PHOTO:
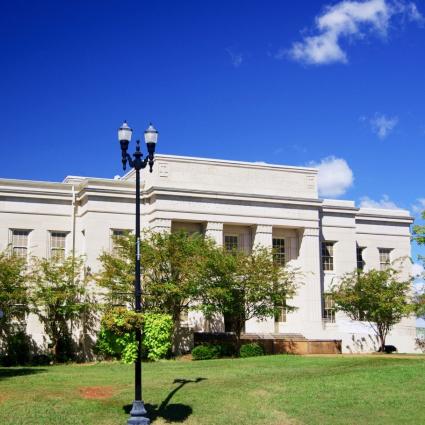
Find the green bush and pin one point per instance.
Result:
(251, 350)
(157, 333)
(206, 352)
(17, 349)
(116, 338)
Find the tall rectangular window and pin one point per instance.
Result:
(57, 245)
(360, 261)
(279, 251)
(328, 308)
(231, 243)
(384, 258)
(20, 243)
(328, 256)
(115, 235)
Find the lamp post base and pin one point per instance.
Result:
(137, 414)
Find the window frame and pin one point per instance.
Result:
(231, 235)
(112, 246)
(13, 246)
(359, 258)
(383, 266)
(328, 313)
(279, 252)
(328, 261)
(58, 249)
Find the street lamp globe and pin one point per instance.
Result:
(151, 135)
(124, 132)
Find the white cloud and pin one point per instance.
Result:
(348, 20)
(419, 206)
(334, 177)
(383, 125)
(417, 270)
(235, 57)
(384, 202)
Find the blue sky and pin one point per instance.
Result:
(336, 83)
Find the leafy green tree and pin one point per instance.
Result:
(419, 237)
(61, 299)
(172, 266)
(419, 232)
(173, 270)
(242, 286)
(13, 298)
(13, 290)
(116, 274)
(379, 297)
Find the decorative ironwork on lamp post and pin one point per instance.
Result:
(138, 411)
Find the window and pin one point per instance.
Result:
(328, 308)
(57, 245)
(328, 256)
(231, 242)
(360, 261)
(279, 251)
(384, 258)
(116, 234)
(20, 243)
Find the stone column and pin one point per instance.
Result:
(263, 236)
(214, 230)
(311, 292)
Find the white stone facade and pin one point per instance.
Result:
(253, 202)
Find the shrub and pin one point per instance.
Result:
(116, 338)
(157, 333)
(251, 350)
(206, 352)
(17, 350)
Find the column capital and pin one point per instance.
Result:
(214, 225)
(311, 231)
(161, 225)
(264, 228)
(214, 231)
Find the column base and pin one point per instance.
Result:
(138, 414)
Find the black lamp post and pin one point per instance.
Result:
(138, 411)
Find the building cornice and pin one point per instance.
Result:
(193, 193)
(227, 163)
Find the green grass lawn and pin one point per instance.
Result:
(272, 390)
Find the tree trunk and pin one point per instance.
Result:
(382, 340)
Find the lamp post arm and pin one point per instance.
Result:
(129, 161)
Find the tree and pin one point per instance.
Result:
(116, 275)
(13, 297)
(172, 266)
(419, 232)
(419, 237)
(61, 301)
(379, 297)
(13, 290)
(243, 286)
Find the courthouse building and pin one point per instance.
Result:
(238, 204)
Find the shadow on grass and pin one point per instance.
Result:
(11, 372)
(170, 412)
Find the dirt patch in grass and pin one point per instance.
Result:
(96, 393)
